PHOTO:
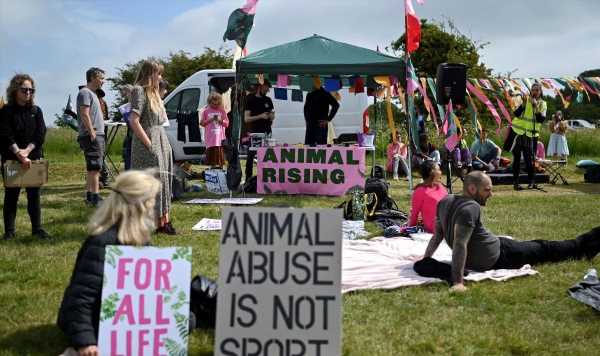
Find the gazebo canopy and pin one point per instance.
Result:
(317, 55)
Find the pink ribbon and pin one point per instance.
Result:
(504, 111)
(481, 96)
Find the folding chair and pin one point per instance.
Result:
(555, 169)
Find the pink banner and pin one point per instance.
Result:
(481, 96)
(317, 170)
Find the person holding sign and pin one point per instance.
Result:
(125, 218)
(22, 133)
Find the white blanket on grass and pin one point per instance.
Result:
(388, 263)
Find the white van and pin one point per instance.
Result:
(289, 127)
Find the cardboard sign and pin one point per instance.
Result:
(16, 176)
(145, 301)
(322, 170)
(279, 282)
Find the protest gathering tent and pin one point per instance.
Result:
(318, 55)
(314, 56)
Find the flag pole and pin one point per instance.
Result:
(406, 111)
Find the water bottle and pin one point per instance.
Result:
(591, 276)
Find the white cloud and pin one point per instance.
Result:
(56, 41)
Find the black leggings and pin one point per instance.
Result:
(523, 145)
(11, 198)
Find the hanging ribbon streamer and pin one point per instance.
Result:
(487, 103)
(451, 135)
(474, 120)
(433, 92)
(504, 111)
(386, 83)
(428, 104)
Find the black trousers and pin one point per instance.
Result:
(525, 146)
(249, 164)
(11, 198)
(515, 254)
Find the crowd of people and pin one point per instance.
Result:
(139, 202)
(522, 141)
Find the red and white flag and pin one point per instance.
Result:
(413, 26)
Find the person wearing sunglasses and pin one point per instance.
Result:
(22, 134)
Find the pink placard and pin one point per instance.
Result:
(310, 170)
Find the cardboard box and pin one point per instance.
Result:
(15, 176)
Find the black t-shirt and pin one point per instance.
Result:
(258, 105)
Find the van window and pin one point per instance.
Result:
(172, 106)
(190, 99)
(221, 84)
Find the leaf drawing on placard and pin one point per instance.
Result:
(112, 253)
(183, 253)
(168, 293)
(109, 307)
(179, 302)
(174, 348)
(182, 326)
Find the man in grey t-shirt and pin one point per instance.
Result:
(458, 221)
(91, 132)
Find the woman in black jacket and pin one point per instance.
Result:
(22, 133)
(125, 218)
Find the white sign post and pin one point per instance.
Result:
(145, 301)
(279, 282)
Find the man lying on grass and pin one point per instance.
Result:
(475, 248)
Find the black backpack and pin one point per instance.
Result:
(592, 174)
(378, 172)
(377, 195)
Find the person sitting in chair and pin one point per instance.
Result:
(475, 248)
(397, 153)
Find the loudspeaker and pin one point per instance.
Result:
(451, 83)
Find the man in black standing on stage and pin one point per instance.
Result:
(258, 117)
(318, 115)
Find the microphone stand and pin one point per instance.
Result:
(534, 150)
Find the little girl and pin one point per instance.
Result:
(558, 140)
(214, 120)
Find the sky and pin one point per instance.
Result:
(56, 41)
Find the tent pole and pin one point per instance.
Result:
(408, 118)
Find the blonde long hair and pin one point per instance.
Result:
(146, 78)
(130, 205)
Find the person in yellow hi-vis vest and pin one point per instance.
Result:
(525, 128)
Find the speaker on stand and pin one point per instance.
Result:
(451, 80)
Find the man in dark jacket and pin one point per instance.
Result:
(318, 115)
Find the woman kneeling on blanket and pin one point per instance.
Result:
(125, 218)
(426, 196)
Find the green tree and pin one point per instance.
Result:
(442, 42)
(178, 66)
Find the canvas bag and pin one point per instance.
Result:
(15, 176)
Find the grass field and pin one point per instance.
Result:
(531, 315)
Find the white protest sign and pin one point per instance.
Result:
(145, 301)
(279, 282)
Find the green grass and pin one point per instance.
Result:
(531, 315)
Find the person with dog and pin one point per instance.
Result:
(475, 248)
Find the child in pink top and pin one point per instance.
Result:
(215, 121)
(426, 196)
